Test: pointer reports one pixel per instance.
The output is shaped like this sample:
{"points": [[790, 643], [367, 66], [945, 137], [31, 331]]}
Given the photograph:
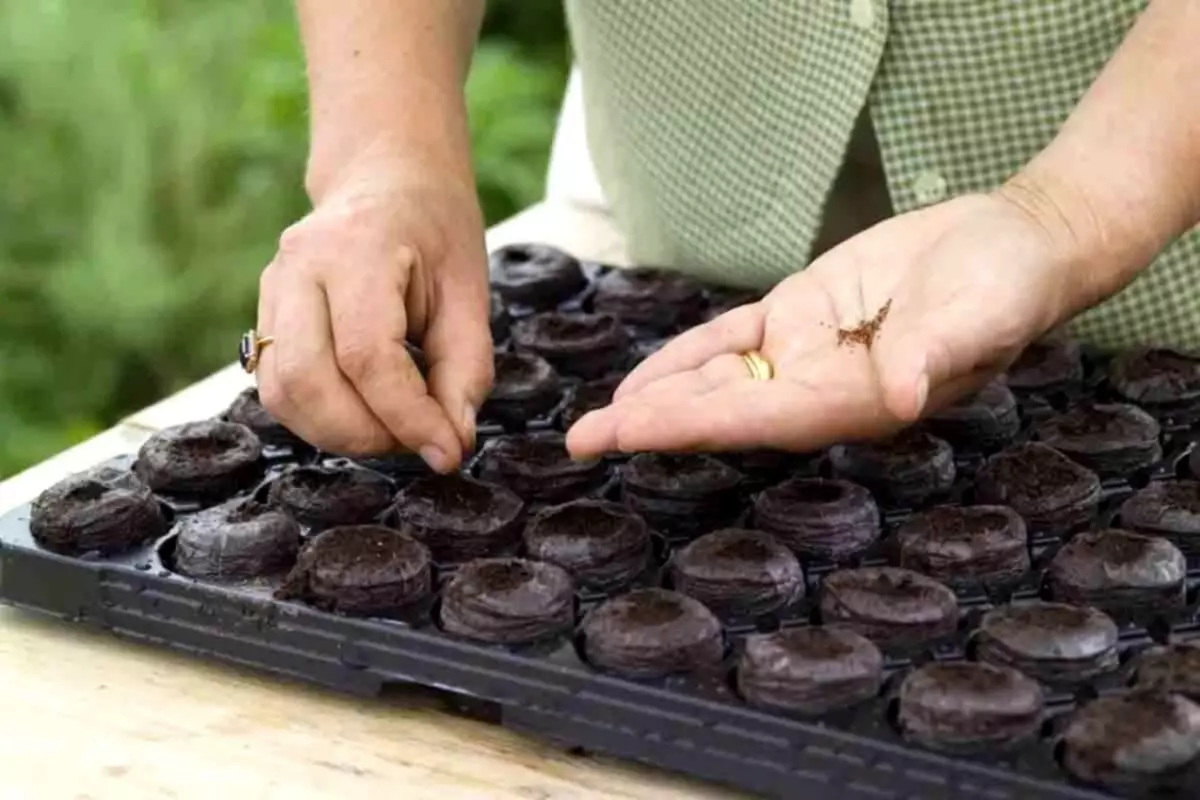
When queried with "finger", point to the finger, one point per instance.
{"points": [[737, 413], [941, 345], [299, 382], [368, 319], [458, 344], [733, 332], [693, 383]]}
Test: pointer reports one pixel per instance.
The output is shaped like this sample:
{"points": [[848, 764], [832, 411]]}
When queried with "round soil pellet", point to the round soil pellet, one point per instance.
{"points": [[1050, 491], [1170, 509], [458, 517], [1109, 439], [651, 633], [207, 460], [832, 520], [905, 470], [681, 493], [1119, 572], [535, 275], [738, 573], [1053, 642], [539, 469], [967, 545], [106, 510], [321, 497], [892, 607], [360, 570], [601, 544], [968, 707], [509, 601], [1144, 741], [575, 343], [241, 539], [984, 421], [810, 670]]}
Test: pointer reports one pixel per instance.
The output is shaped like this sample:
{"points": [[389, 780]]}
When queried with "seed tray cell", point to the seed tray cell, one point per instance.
{"points": [[689, 716]]}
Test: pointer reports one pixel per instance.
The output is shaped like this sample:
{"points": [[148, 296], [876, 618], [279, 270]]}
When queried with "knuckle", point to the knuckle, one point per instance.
{"points": [[356, 358], [294, 239], [292, 377]]}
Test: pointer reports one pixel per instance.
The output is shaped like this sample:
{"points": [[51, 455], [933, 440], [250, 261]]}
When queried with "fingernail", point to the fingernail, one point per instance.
{"points": [[434, 457], [922, 392]]}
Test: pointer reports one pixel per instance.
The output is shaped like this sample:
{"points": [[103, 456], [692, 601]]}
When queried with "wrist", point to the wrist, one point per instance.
{"points": [[1096, 239]]}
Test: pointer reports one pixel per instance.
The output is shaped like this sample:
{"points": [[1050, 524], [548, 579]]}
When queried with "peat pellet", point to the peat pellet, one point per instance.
{"points": [[1143, 741], [819, 518], [904, 470], [892, 607], [539, 469], [526, 388], [1119, 572], [762, 468], [809, 670], [321, 497], [360, 570], [600, 543], [535, 275], [105, 509], [982, 422], [645, 297], [651, 633], [208, 460], [1169, 668], [240, 539], [1170, 509], [738, 573], [575, 343], [1164, 382], [1112, 439], [458, 517], [1053, 642], [247, 409], [681, 493], [968, 707], [1051, 492], [588, 396], [961, 546], [1052, 364], [508, 601]]}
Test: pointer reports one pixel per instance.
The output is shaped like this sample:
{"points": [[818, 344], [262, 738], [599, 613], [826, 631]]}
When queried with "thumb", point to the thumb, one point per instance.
{"points": [[458, 344], [934, 357]]}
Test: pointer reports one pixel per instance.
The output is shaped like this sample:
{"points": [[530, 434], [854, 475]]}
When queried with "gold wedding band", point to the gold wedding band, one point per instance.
{"points": [[760, 368], [250, 348]]}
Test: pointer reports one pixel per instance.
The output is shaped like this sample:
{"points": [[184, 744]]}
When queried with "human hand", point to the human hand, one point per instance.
{"points": [[386, 255], [966, 285]]}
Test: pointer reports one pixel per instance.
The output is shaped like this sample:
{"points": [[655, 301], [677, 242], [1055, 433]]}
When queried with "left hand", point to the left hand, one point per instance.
{"points": [[970, 283]]}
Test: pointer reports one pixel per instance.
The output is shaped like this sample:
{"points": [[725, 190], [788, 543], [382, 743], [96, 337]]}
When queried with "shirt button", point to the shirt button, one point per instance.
{"points": [[862, 14], [929, 187]]}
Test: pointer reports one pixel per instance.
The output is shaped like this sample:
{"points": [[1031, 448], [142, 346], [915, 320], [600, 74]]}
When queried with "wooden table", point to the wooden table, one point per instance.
{"points": [[86, 715]]}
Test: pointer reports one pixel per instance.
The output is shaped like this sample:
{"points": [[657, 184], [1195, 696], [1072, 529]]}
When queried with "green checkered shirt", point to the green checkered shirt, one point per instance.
{"points": [[718, 127]]}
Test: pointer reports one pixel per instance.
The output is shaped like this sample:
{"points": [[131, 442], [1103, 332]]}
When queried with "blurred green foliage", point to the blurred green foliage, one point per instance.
{"points": [[152, 151]]}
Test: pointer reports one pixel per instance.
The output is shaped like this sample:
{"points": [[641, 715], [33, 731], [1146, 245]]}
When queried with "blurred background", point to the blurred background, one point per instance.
{"points": [[152, 151]]}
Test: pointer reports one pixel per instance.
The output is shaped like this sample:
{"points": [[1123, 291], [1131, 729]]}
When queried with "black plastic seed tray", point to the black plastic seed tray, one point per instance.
{"points": [[692, 722]]}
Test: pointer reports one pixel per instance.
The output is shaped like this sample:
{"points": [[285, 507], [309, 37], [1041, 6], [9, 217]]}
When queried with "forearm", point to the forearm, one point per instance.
{"points": [[386, 85], [1122, 177]]}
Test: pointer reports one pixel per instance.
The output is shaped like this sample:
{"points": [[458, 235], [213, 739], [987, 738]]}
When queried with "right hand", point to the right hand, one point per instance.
{"points": [[385, 256]]}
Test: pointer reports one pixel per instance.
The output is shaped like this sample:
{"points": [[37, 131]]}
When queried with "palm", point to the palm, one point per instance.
{"points": [[965, 285]]}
